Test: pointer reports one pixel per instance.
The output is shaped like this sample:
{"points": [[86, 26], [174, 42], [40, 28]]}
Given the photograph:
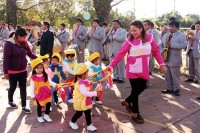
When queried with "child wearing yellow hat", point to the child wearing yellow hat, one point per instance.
{"points": [[83, 94], [57, 74], [45, 59], [40, 89], [68, 65], [95, 67]]}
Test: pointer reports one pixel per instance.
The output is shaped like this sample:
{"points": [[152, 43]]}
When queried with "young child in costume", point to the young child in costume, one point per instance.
{"points": [[83, 94], [40, 89], [95, 67], [57, 74], [68, 66], [45, 60]]}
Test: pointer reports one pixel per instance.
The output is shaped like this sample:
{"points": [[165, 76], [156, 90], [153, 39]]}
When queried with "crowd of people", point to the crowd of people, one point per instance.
{"points": [[140, 47]]}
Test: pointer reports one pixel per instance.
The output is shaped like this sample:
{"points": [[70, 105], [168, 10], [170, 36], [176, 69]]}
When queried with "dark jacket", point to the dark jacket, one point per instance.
{"points": [[46, 43], [14, 56]]}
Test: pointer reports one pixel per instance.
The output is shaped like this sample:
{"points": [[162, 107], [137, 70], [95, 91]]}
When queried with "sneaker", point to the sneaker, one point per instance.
{"points": [[73, 125], [25, 110], [98, 102], [71, 100], [47, 118], [198, 98], [91, 127], [115, 80], [189, 80], [196, 82], [40, 120], [166, 91], [176, 93], [120, 81], [58, 103], [138, 119], [12, 105]]}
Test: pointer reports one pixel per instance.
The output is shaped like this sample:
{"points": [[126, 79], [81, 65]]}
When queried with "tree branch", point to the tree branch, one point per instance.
{"points": [[117, 3], [40, 3]]}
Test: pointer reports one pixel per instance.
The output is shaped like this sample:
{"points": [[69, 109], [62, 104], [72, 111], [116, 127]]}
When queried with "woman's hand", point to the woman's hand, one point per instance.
{"points": [[56, 87], [163, 69], [6, 76], [109, 68]]}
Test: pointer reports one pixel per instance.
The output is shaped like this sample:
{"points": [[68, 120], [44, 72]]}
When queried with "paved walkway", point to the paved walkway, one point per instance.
{"points": [[162, 113]]}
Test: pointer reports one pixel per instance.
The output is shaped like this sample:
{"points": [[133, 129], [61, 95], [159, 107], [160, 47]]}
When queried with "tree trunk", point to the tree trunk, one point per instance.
{"points": [[103, 8], [11, 11]]}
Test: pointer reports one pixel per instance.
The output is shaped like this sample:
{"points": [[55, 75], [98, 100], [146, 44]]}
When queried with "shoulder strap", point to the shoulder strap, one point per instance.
{"points": [[29, 36], [61, 33]]}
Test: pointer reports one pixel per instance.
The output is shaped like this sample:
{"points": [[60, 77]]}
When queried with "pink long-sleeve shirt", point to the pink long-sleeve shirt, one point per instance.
{"points": [[137, 65]]}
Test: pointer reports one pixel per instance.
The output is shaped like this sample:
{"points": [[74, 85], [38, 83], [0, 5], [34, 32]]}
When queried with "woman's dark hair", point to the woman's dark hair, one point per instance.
{"points": [[139, 25], [20, 32], [44, 73]]}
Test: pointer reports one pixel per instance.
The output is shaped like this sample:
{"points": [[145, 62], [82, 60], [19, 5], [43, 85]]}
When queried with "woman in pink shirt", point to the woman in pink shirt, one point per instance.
{"points": [[138, 45]]}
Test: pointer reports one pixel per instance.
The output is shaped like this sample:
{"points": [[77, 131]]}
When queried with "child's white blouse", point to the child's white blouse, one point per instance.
{"points": [[32, 86]]}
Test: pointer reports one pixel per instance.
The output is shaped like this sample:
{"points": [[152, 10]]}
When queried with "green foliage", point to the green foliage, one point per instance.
{"points": [[125, 18], [66, 11], [2, 10], [185, 21], [189, 20]]}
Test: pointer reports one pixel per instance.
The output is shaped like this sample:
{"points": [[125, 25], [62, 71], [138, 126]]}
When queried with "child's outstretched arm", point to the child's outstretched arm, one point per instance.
{"points": [[67, 68], [83, 90], [52, 83]]}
